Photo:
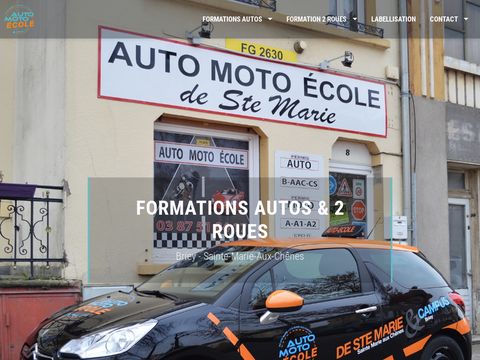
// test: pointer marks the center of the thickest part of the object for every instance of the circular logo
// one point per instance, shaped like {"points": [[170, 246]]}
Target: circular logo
{"points": [[359, 210], [298, 342], [19, 19]]}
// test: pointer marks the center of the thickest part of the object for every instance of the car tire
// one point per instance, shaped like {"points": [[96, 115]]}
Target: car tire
{"points": [[442, 348]]}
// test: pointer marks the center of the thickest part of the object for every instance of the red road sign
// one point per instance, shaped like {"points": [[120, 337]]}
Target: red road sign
{"points": [[359, 210]]}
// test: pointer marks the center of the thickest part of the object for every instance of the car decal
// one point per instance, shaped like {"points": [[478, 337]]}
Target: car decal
{"points": [[298, 342], [462, 326], [416, 346], [97, 307], [430, 309], [416, 319], [413, 324], [371, 339], [241, 349]]}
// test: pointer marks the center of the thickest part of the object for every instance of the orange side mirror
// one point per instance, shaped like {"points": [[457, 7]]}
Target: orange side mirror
{"points": [[284, 301]]}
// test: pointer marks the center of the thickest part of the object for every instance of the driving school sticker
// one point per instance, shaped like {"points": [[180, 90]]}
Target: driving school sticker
{"points": [[298, 343], [19, 19]]}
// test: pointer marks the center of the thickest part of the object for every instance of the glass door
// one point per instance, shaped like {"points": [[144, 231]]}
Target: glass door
{"points": [[459, 235]]}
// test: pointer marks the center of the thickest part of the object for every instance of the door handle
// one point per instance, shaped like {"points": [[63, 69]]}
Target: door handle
{"points": [[366, 310]]}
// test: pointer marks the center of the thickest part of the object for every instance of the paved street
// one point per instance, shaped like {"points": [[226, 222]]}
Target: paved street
{"points": [[476, 352]]}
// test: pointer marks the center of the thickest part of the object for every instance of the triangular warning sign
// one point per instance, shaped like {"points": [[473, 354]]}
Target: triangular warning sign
{"points": [[344, 189]]}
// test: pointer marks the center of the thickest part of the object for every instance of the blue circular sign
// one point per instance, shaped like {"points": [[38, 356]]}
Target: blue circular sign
{"points": [[332, 185]]}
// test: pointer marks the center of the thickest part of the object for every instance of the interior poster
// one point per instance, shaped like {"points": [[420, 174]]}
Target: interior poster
{"points": [[300, 177], [190, 167]]}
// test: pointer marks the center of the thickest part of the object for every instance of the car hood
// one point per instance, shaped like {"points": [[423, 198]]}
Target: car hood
{"points": [[104, 312]]}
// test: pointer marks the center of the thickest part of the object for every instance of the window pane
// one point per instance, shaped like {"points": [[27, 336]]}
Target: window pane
{"points": [[351, 189], [333, 7], [318, 274], [453, 8], [354, 7], [349, 7], [458, 259], [456, 180], [361, 10], [454, 46], [178, 179], [260, 291], [206, 274], [420, 273], [473, 33]]}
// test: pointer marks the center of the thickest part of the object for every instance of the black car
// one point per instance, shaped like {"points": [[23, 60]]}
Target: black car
{"points": [[331, 298]]}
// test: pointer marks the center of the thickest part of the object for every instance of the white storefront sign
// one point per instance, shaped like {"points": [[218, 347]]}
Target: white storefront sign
{"points": [[140, 68], [189, 154], [300, 177]]}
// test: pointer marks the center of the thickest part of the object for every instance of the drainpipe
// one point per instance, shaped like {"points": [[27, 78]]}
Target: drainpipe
{"points": [[404, 89]]}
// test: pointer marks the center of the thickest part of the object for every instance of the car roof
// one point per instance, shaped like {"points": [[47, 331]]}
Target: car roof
{"points": [[319, 243]]}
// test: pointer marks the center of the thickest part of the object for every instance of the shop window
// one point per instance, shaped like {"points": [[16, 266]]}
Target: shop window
{"points": [[352, 193], [351, 185], [197, 164]]}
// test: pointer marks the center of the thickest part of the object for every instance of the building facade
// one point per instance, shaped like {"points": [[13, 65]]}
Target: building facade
{"points": [[109, 105], [445, 103]]}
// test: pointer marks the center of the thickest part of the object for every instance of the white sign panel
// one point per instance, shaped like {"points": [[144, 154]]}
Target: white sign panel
{"points": [[140, 68], [300, 177], [358, 188], [189, 154]]}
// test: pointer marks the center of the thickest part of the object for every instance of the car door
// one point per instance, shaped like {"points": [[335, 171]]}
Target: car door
{"points": [[339, 313], [418, 296]]}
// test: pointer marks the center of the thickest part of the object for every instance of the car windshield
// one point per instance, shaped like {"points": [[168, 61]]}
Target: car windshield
{"points": [[203, 276]]}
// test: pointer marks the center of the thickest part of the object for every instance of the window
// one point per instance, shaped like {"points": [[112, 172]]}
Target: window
{"points": [[315, 275], [192, 164], [350, 190], [348, 8], [461, 36], [350, 185], [456, 180], [269, 4], [409, 269], [458, 234], [472, 28], [260, 291], [205, 275]]}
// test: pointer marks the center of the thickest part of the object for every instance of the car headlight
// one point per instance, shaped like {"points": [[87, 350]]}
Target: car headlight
{"points": [[109, 342]]}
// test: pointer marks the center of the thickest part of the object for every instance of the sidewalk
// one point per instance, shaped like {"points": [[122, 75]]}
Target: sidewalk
{"points": [[476, 339]]}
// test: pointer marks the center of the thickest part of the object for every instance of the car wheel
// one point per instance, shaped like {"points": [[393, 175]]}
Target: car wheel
{"points": [[442, 348]]}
